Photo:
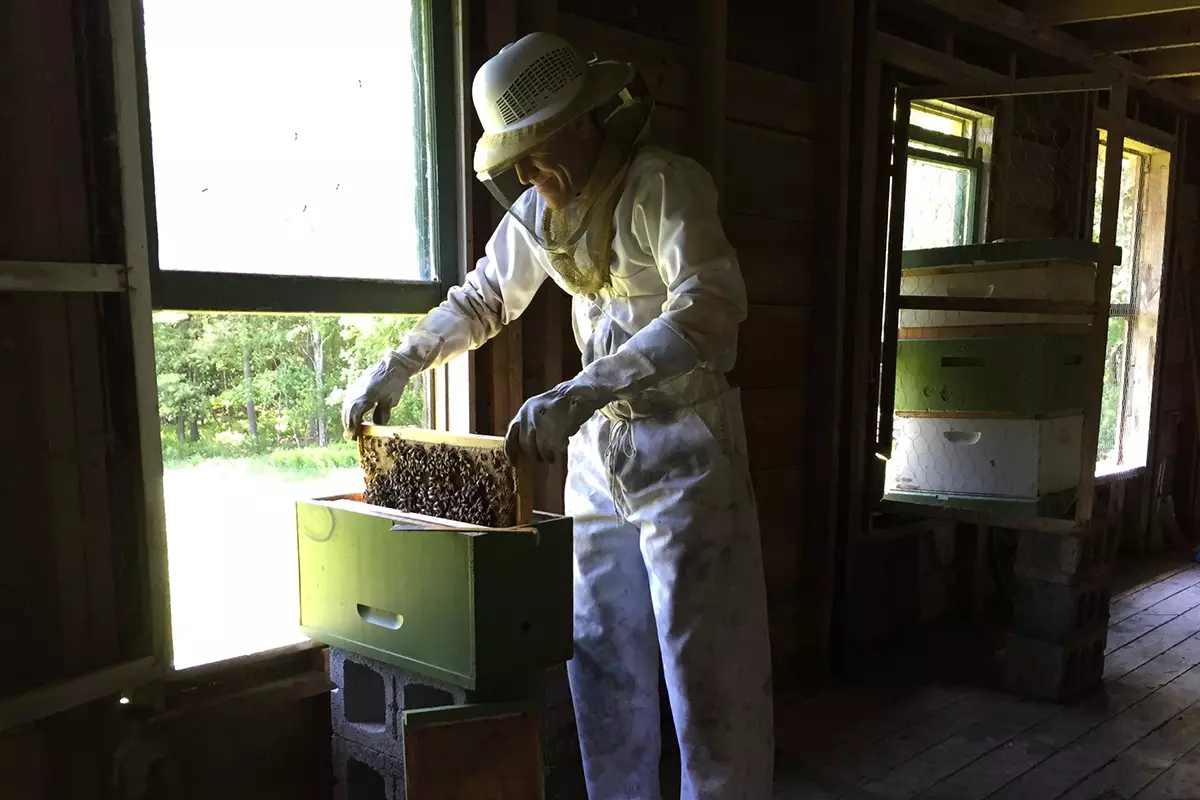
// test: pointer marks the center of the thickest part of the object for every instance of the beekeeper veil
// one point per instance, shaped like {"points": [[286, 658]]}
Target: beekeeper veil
{"points": [[527, 93]]}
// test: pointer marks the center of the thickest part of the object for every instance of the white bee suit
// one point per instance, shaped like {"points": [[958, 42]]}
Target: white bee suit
{"points": [[667, 551]]}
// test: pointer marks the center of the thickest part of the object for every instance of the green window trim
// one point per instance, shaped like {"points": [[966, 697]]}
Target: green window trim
{"points": [[242, 292]]}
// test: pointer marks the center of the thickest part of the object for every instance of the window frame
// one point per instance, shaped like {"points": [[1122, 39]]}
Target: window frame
{"points": [[176, 290], [971, 158], [1149, 156], [1128, 311], [449, 402]]}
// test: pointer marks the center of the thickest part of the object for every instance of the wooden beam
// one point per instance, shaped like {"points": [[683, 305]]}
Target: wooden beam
{"points": [[1009, 23], [1178, 62], [1143, 33], [1139, 132], [1008, 87], [1095, 355], [933, 64], [42, 276], [1069, 12], [128, 74], [51, 700], [707, 87], [922, 511]]}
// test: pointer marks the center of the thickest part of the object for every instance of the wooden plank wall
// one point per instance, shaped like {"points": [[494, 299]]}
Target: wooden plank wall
{"points": [[1177, 425], [768, 216], [69, 528], [72, 577]]}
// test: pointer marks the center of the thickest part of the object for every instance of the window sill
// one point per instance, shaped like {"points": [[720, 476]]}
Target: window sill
{"points": [[1115, 473]]}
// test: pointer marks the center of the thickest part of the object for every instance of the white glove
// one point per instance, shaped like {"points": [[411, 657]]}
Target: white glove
{"points": [[546, 423], [378, 388]]}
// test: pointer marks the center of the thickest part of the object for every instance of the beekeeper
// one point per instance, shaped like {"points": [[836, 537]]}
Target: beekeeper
{"points": [[667, 554]]}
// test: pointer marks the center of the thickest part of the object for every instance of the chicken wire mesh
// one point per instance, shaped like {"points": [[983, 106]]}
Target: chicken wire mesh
{"points": [[996, 283]]}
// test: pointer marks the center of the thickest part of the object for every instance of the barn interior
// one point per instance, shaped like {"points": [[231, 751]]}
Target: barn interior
{"points": [[976, 478]]}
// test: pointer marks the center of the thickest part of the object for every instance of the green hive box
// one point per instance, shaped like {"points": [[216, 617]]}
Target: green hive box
{"points": [[1025, 376], [474, 608]]}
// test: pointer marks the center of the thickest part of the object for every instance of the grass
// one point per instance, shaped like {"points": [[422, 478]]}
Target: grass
{"points": [[231, 545], [297, 460]]}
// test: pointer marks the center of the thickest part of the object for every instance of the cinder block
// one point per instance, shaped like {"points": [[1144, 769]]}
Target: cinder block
{"points": [[1051, 557], [361, 773], [1055, 672], [1056, 612], [371, 696]]}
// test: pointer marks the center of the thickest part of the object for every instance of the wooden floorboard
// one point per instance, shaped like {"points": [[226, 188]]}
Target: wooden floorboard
{"points": [[1138, 766], [1133, 628], [1138, 575], [1026, 750], [1180, 782], [1146, 648], [1092, 751], [1138, 738], [1142, 599], [964, 747]]}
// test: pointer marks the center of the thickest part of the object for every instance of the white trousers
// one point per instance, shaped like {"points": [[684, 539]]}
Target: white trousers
{"points": [[668, 562]]}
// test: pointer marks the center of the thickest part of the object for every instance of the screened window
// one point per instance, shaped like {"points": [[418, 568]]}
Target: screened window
{"points": [[1134, 300], [944, 177], [305, 194]]}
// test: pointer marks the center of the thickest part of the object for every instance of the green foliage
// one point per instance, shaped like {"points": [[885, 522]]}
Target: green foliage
{"points": [[314, 459], [245, 385], [1114, 379]]}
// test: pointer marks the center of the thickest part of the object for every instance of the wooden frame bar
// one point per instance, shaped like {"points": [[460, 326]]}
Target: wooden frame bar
{"points": [[52, 276], [1015, 87], [998, 304], [127, 79], [895, 256], [51, 700], [1094, 356], [1171, 269], [1009, 23], [1047, 524]]}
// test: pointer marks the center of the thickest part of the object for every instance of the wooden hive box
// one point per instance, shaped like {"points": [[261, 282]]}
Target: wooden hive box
{"points": [[472, 604]]}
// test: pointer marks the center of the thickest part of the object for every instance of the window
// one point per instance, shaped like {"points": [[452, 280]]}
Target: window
{"points": [[945, 177], [1133, 309], [305, 192]]}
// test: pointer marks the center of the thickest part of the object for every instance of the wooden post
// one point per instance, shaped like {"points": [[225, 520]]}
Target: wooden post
{"points": [[506, 350], [153, 519], [1171, 267], [547, 321], [870, 106], [1098, 338], [706, 101], [891, 295]]}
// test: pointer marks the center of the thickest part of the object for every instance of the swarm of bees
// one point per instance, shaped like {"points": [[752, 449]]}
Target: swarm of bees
{"points": [[456, 483]]}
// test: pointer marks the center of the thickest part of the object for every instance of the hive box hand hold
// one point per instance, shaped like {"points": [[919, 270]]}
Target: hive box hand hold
{"points": [[432, 474], [470, 605]]}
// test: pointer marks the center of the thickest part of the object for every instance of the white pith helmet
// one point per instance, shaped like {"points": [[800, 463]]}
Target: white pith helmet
{"points": [[532, 89]]}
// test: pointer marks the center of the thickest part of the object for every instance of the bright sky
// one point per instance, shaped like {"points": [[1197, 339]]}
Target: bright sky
{"points": [[283, 136]]}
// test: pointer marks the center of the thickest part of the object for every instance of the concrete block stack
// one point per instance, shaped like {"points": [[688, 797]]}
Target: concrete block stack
{"points": [[1055, 649], [368, 705]]}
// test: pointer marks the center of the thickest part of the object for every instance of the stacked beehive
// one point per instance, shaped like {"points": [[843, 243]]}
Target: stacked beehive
{"points": [[990, 401], [990, 387], [442, 627]]}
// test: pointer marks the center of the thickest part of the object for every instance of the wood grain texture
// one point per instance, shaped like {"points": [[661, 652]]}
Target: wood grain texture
{"points": [[775, 257], [773, 348], [498, 758]]}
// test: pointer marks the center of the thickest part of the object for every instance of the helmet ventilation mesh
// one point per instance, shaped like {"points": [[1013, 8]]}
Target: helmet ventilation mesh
{"points": [[542, 79]]}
